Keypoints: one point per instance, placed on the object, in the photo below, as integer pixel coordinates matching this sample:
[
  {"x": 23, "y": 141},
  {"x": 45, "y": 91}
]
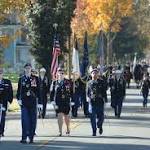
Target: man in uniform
[
  {"x": 96, "y": 99},
  {"x": 6, "y": 95},
  {"x": 118, "y": 91},
  {"x": 44, "y": 90},
  {"x": 28, "y": 97},
  {"x": 145, "y": 89}
]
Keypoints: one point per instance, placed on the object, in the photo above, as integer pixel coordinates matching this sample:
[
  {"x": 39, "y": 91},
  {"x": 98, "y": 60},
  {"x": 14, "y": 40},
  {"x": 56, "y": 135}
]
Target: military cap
[
  {"x": 27, "y": 65},
  {"x": 118, "y": 72},
  {"x": 42, "y": 70},
  {"x": 94, "y": 70}
]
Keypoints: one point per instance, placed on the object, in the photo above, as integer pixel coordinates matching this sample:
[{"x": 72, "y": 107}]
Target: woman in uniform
[{"x": 61, "y": 92}]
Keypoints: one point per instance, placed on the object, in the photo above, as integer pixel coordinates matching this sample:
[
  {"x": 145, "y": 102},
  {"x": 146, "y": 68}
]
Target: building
[{"x": 17, "y": 52}]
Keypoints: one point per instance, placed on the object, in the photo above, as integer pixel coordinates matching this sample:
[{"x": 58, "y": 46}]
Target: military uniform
[
  {"x": 96, "y": 96},
  {"x": 76, "y": 97},
  {"x": 83, "y": 94},
  {"x": 6, "y": 95},
  {"x": 28, "y": 93},
  {"x": 118, "y": 92},
  {"x": 61, "y": 92},
  {"x": 145, "y": 91},
  {"x": 127, "y": 75},
  {"x": 44, "y": 90}
]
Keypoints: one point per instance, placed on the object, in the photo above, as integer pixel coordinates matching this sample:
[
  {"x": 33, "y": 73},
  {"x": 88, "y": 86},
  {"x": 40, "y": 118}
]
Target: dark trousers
[
  {"x": 118, "y": 106},
  {"x": 2, "y": 124},
  {"x": 85, "y": 103},
  {"x": 97, "y": 117},
  {"x": 44, "y": 108},
  {"x": 145, "y": 95},
  {"x": 75, "y": 107},
  {"x": 29, "y": 119}
]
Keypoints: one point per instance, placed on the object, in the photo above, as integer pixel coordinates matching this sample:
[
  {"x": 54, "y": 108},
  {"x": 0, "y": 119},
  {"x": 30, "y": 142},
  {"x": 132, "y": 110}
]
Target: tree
[
  {"x": 103, "y": 15},
  {"x": 41, "y": 16},
  {"x": 142, "y": 18},
  {"x": 129, "y": 40},
  {"x": 8, "y": 7}
]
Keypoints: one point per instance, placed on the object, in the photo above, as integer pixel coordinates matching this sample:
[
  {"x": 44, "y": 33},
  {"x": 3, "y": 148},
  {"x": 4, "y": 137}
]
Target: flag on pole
[
  {"x": 134, "y": 61},
  {"x": 100, "y": 49},
  {"x": 55, "y": 54},
  {"x": 75, "y": 59},
  {"x": 85, "y": 59}
]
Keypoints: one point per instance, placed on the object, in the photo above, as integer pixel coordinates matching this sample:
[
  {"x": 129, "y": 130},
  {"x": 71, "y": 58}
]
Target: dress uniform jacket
[
  {"x": 96, "y": 92},
  {"x": 28, "y": 91},
  {"x": 6, "y": 95},
  {"x": 6, "y": 92},
  {"x": 62, "y": 93},
  {"x": 44, "y": 90}
]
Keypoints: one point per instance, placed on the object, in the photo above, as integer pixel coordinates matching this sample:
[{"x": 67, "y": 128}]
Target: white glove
[
  {"x": 3, "y": 109},
  {"x": 72, "y": 103},
  {"x": 56, "y": 107},
  {"x": 88, "y": 99},
  {"x": 40, "y": 106},
  {"x": 53, "y": 103},
  {"x": 20, "y": 102},
  {"x": 90, "y": 108}
]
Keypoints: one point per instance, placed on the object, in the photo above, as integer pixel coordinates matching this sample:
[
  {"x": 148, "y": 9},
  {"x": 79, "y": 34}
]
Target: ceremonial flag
[
  {"x": 75, "y": 59},
  {"x": 85, "y": 59},
  {"x": 55, "y": 54},
  {"x": 134, "y": 61},
  {"x": 101, "y": 48}
]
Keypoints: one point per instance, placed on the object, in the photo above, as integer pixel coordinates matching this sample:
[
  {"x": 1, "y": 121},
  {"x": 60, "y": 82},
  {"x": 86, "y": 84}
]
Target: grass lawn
[
  {"x": 14, "y": 106},
  {"x": 12, "y": 76}
]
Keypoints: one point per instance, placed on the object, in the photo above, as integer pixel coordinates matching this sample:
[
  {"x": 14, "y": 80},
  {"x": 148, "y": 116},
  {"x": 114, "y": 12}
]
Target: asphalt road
[{"x": 130, "y": 132}]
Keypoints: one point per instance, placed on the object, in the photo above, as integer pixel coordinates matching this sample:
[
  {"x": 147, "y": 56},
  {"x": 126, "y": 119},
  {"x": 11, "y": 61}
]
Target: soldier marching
[
  {"x": 61, "y": 94},
  {"x": 67, "y": 96},
  {"x": 96, "y": 98},
  {"x": 6, "y": 96},
  {"x": 44, "y": 91},
  {"x": 28, "y": 96}
]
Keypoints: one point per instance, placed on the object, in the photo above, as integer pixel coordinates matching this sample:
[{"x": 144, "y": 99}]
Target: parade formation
[
  {"x": 67, "y": 96},
  {"x": 74, "y": 74}
]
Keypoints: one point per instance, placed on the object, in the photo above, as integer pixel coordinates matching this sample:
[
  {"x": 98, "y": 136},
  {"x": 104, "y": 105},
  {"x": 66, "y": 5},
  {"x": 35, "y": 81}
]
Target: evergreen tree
[
  {"x": 129, "y": 40},
  {"x": 41, "y": 17}
]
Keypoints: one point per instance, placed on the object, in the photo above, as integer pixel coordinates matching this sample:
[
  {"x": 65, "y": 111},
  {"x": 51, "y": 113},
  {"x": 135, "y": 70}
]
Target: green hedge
[{"x": 12, "y": 76}]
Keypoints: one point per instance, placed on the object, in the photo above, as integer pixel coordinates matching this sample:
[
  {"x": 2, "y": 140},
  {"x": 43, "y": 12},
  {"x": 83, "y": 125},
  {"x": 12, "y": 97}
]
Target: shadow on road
[{"x": 72, "y": 145}]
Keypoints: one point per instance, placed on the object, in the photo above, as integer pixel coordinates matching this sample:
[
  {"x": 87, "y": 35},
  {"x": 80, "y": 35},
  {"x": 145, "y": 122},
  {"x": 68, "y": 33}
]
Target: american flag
[{"x": 55, "y": 54}]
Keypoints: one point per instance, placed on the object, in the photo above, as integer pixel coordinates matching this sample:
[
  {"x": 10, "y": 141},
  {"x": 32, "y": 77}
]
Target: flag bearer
[{"x": 96, "y": 98}]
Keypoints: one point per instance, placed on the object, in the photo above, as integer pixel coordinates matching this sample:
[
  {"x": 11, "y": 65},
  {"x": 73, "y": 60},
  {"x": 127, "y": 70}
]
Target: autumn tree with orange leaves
[
  {"x": 8, "y": 8},
  {"x": 106, "y": 15}
]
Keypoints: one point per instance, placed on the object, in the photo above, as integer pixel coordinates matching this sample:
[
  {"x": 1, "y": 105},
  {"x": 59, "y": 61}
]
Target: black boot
[{"x": 100, "y": 130}]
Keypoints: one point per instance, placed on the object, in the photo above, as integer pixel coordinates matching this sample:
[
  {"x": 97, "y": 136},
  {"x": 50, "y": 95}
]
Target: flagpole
[
  {"x": 100, "y": 47},
  {"x": 55, "y": 25}
]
